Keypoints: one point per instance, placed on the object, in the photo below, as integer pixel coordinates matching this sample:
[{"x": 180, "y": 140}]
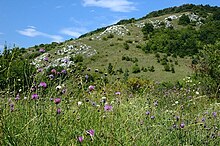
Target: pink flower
[
  {"x": 46, "y": 59},
  {"x": 108, "y": 108},
  {"x": 91, "y": 132},
  {"x": 57, "y": 100},
  {"x": 91, "y": 87},
  {"x": 34, "y": 96},
  {"x": 80, "y": 139},
  {"x": 43, "y": 84},
  {"x": 58, "y": 111},
  {"x": 53, "y": 71}
]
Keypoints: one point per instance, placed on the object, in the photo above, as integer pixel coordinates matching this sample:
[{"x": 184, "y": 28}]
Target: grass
[{"x": 147, "y": 115}]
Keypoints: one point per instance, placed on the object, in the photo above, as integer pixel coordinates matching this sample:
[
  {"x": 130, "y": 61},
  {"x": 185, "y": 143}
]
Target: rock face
[
  {"x": 62, "y": 57},
  {"x": 119, "y": 30}
]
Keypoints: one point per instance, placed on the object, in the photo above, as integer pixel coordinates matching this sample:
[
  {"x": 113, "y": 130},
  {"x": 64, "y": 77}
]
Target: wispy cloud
[
  {"x": 31, "y": 31},
  {"x": 73, "y": 32},
  {"x": 113, "y": 5},
  {"x": 59, "y": 7}
]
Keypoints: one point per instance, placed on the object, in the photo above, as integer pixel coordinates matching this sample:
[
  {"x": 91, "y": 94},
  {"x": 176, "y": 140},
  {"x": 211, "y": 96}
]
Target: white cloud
[
  {"x": 113, "y": 5},
  {"x": 59, "y": 7},
  {"x": 32, "y": 32},
  {"x": 74, "y": 32}
]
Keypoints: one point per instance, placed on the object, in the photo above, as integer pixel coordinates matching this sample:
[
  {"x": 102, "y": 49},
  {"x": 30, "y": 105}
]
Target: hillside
[{"x": 147, "y": 81}]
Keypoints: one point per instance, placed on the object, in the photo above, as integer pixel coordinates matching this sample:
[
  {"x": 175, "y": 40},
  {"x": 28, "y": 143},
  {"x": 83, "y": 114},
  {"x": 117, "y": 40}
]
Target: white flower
[
  {"x": 79, "y": 103},
  {"x": 197, "y": 93},
  {"x": 58, "y": 87}
]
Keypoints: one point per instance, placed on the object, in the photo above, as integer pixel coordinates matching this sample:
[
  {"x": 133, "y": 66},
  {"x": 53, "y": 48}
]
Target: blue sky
[{"x": 25, "y": 23}]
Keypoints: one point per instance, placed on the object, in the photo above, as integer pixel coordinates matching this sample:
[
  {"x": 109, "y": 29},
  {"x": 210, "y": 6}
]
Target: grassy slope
[{"x": 112, "y": 50}]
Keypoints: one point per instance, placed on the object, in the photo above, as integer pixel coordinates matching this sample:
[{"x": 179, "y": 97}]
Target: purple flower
[
  {"x": 86, "y": 76},
  {"x": 53, "y": 71},
  {"x": 152, "y": 117},
  {"x": 182, "y": 125},
  {"x": 11, "y": 107},
  {"x": 108, "y": 108},
  {"x": 17, "y": 97},
  {"x": 91, "y": 132},
  {"x": 118, "y": 93},
  {"x": 214, "y": 114},
  {"x": 91, "y": 87},
  {"x": 57, "y": 100},
  {"x": 147, "y": 113},
  {"x": 58, "y": 111},
  {"x": 41, "y": 50},
  {"x": 80, "y": 139},
  {"x": 46, "y": 59},
  {"x": 34, "y": 96},
  {"x": 63, "y": 91},
  {"x": 63, "y": 71},
  {"x": 32, "y": 89},
  {"x": 43, "y": 84},
  {"x": 39, "y": 70},
  {"x": 66, "y": 61},
  {"x": 203, "y": 119}
]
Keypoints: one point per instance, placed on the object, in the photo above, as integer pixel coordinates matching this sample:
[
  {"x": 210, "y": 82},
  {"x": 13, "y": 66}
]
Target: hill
[{"x": 150, "y": 81}]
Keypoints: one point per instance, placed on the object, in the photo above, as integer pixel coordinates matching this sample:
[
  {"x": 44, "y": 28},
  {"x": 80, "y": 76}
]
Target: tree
[
  {"x": 148, "y": 28},
  {"x": 184, "y": 20},
  {"x": 210, "y": 67}
]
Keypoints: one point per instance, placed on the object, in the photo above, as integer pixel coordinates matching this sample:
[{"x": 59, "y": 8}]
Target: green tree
[
  {"x": 184, "y": 20},
  {"x": 148, "y": 28},
  {"x": 210, "y": 67}
]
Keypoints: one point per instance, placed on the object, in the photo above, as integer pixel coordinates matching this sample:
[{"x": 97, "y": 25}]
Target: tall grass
[{"x": 149, "y": 115}]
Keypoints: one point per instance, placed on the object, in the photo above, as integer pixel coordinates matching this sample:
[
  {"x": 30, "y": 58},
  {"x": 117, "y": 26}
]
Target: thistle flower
[
  {"x": 57, "y": 100},
  {"x": 43, "y": 84},
  {"x": 34, "y": 96},
  {"x": 17, "y": 97},
  {"x": 107, "y": 107},
  {"x": 80, "y": 139},
  {"x": 64, "y": 71},
  {"x": 182, "y": 125},
  {"x": 91, "y": 132},
  {"x": 46, "y": 59},
  {"x": 91, "y": 87},
  {"x": 58, "y": 111},
  {"x": 39, "y": 70},
  {"x": 53, "y": 71},
  {"x": 214, "y": 114},
  {"x": 147, "y": 113},
  {"x": 11, "y": 107}
]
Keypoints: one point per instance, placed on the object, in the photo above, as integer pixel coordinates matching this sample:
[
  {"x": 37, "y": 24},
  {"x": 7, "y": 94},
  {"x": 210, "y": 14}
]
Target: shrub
[
  {"x": 126, "y": 46},
  {"x": 110, "y": 35},
  {"x": 136, "y": 69},
  {"x": 167, "y": 67}
]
